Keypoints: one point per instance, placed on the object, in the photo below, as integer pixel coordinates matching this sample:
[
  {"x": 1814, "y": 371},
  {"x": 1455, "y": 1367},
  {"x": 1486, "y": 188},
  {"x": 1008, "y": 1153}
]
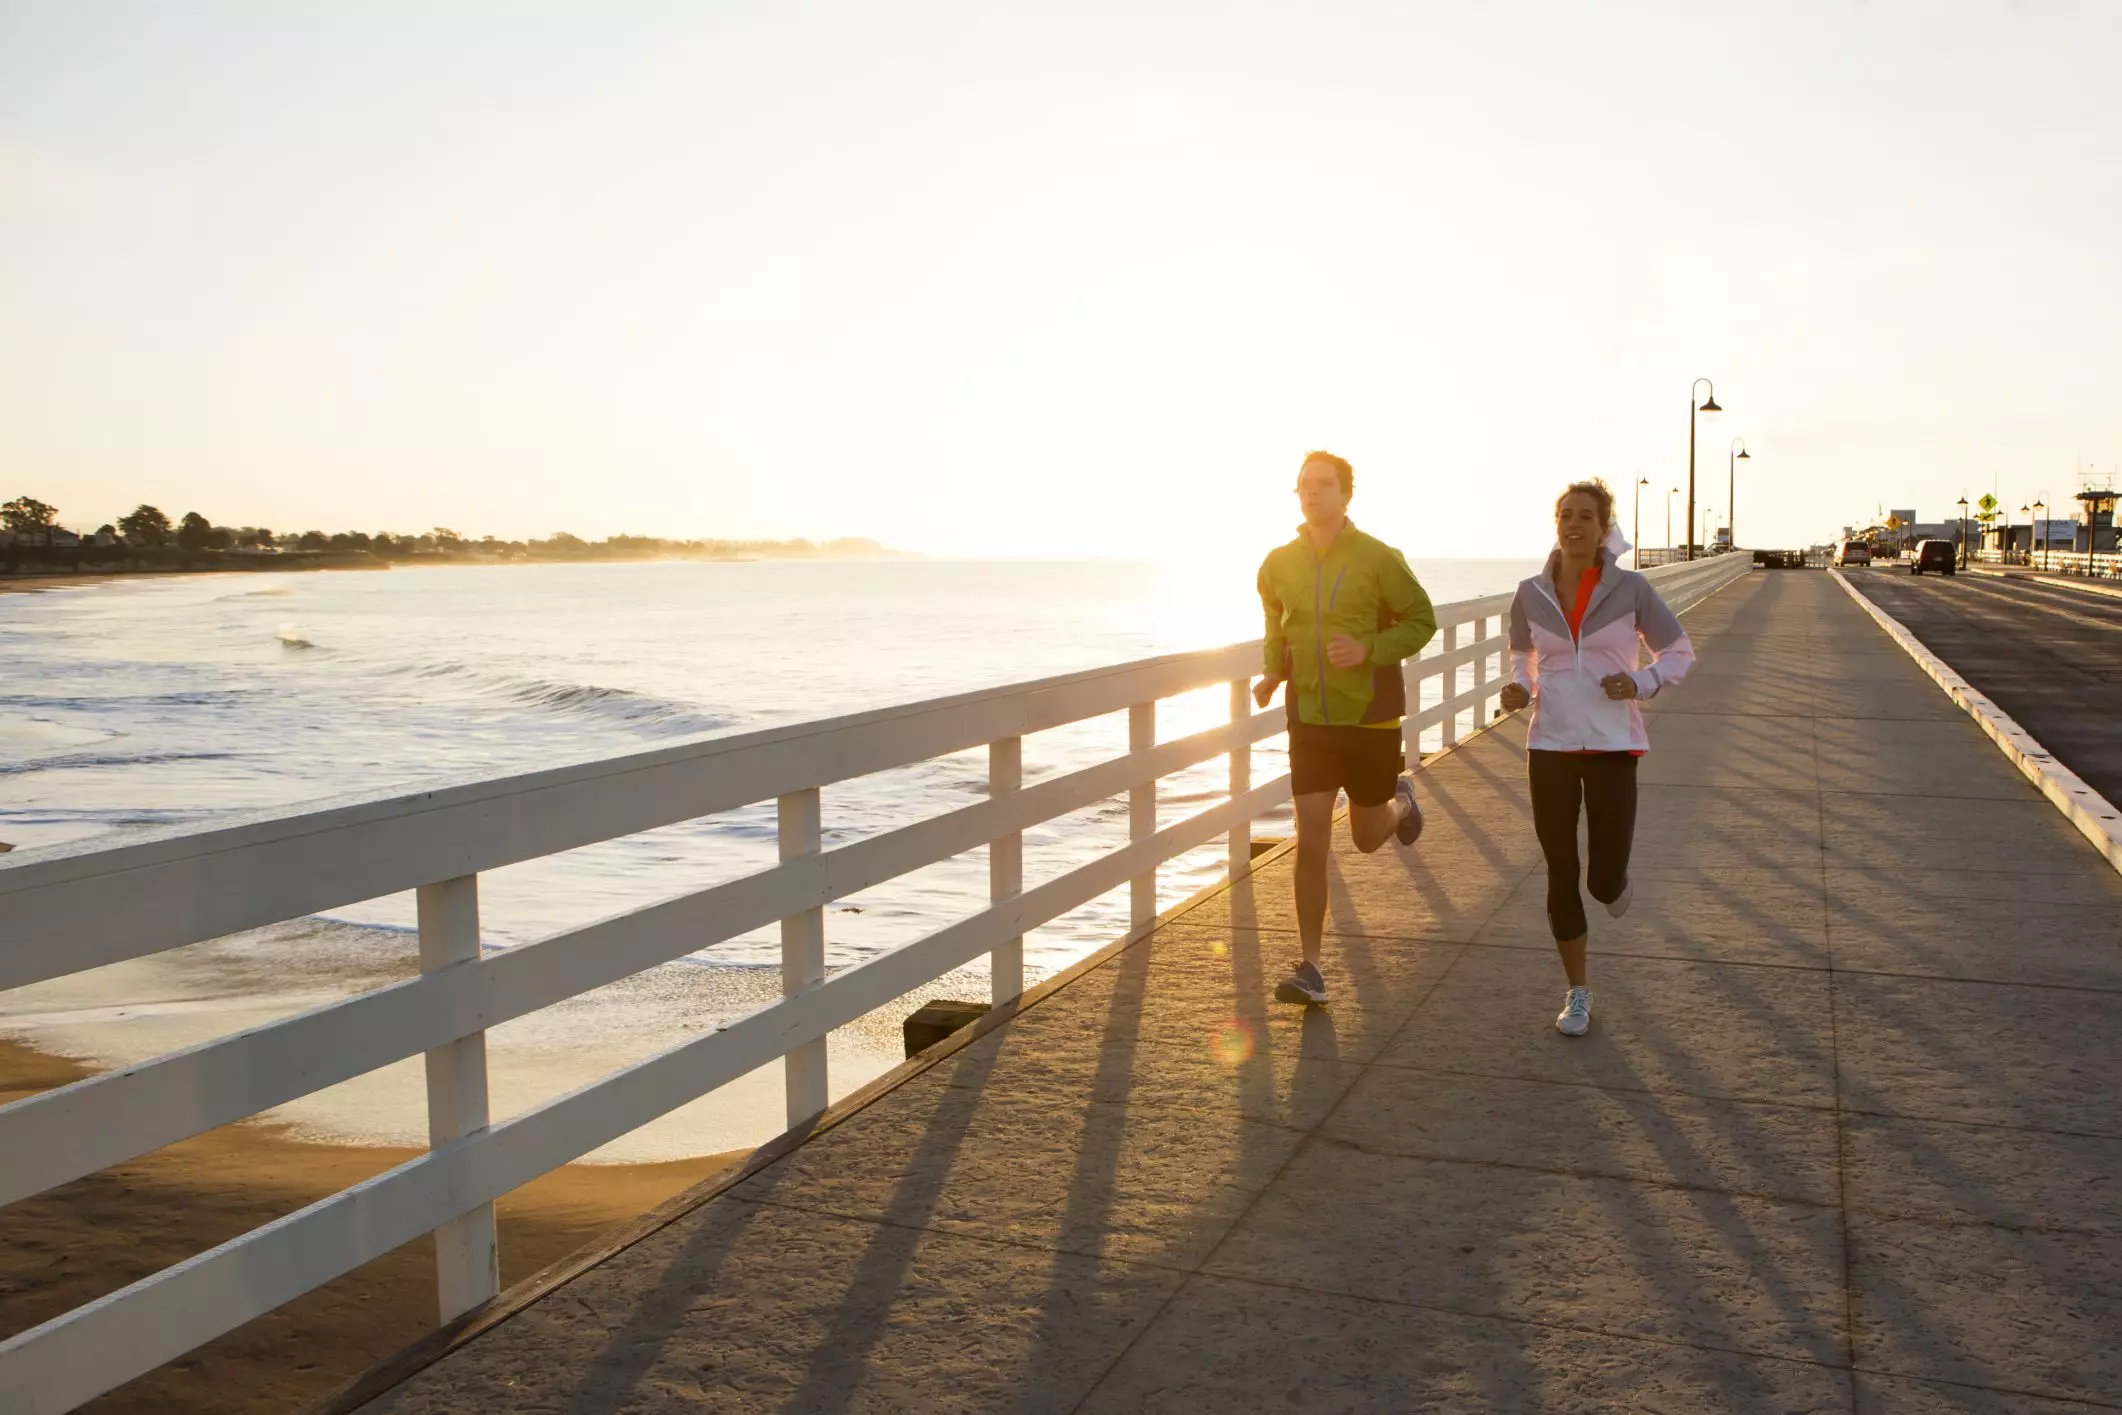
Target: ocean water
[{"x": 154, "y": 704}]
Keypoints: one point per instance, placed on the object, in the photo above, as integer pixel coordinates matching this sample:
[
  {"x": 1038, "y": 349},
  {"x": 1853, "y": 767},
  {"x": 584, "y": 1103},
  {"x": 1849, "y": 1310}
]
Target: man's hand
[
  {"x": 1345, "y": 652},
  {"x": 1264, "y": 690},
  {"x": 1619, "y": 686},
  {"x": 1515, "y": 696}
]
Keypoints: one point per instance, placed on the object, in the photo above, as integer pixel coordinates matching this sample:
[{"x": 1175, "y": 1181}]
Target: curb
[
  {"x": 2060, "y": 582},
  {"x": 2094, "y": 816}
]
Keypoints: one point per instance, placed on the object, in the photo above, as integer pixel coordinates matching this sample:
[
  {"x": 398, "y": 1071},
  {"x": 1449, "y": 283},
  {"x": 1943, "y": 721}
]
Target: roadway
[{"x": 2050, "y": 656}]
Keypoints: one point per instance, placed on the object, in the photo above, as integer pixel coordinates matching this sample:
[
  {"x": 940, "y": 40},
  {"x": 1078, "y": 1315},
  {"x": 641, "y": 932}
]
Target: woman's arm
[
  {"x": 1672, "y": 654},
  {"x": 1524, "y": 662}
]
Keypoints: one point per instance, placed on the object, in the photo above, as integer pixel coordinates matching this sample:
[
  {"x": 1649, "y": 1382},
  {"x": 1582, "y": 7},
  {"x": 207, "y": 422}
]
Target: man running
[{"x": 1343, "y": 610}]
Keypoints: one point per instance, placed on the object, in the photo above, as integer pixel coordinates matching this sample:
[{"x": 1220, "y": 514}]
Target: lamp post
[
  {"x": 1641, "y": 482},
  {"x": 1962, "y": 504},
  {"x": 2028, "y": 512},
  {"x": 2041, "y": 531},
  {"x": 1709, "y": 405},
  {"x": 1669, "y": 524},
  {"x": 1731, "y": 488}
]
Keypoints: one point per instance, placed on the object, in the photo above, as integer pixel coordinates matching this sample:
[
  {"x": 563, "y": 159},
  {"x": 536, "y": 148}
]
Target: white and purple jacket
[{"x": 1562, "y": 671}]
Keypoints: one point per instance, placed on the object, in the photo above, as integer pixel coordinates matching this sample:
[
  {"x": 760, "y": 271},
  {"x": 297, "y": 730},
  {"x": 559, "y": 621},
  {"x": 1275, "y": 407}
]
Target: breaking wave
[
  {"x": 640, "y": 711},
  {"x": 75, "y": 761}
]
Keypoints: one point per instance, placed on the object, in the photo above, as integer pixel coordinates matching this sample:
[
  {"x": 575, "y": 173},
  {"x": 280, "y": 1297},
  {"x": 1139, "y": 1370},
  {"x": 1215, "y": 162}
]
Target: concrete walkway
[{"x": 1845, "y": 1135}]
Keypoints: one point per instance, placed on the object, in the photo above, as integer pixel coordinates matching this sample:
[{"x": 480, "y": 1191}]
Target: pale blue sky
[{"x": 1051, "y": 279}]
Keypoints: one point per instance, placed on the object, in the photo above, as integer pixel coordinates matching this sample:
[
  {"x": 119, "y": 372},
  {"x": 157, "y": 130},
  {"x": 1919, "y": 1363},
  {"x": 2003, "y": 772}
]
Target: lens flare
[{"x": 1233, "y": 1045}]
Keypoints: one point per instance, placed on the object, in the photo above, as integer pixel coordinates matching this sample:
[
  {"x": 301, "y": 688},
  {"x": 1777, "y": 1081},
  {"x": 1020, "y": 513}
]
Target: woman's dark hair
[{"x": 1598, "y": 491}]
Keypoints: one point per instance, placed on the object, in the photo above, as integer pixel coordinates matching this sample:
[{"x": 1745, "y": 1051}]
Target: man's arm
[
  {"x": 1415, "y": 618},
  {"x": 1274, "y": 644}
]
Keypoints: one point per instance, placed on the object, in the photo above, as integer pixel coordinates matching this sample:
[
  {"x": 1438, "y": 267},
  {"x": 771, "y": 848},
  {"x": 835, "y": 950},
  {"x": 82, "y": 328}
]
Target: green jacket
[{"x": 1360, "y": 587}]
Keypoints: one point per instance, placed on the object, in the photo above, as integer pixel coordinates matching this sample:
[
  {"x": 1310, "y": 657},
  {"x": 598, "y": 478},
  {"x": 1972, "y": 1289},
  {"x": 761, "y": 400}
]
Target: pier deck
[{"x": 1844, "y": 1134}]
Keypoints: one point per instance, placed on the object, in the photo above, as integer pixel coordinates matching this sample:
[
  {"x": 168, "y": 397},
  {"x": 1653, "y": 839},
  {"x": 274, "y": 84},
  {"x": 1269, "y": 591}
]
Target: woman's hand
[
  {"x": 1345, "y": 652},
  {"x": 1619, "y": 686},
  {"x": 1264, "y": 690},
  {"x": 1515, "y": 696}
]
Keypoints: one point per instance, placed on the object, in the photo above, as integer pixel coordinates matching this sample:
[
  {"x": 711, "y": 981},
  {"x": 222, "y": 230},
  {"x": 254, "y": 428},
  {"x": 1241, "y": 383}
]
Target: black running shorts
[{"x": 1363, "y": 761}]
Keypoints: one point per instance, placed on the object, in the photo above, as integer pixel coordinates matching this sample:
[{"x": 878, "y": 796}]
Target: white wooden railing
[{"x": 66, "y": 910}]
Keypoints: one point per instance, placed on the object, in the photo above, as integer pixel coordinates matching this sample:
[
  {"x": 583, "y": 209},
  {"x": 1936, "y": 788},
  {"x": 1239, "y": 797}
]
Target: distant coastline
[{"x": 29, "y": 566}]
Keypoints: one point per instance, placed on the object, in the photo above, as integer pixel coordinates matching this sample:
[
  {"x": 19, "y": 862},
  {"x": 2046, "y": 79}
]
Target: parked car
[
  {"x": 1936, "y": 555},
  {"x": 1853, "y": 552}
]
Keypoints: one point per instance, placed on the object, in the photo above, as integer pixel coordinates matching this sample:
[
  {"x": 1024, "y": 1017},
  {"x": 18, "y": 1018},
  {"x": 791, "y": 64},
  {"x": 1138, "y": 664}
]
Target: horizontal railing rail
[{"x": 66, "y": 910}]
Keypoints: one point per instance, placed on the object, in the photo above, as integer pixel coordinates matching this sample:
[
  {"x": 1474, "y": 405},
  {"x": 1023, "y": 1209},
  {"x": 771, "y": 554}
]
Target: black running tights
[{"x": 1604, "y": 784}]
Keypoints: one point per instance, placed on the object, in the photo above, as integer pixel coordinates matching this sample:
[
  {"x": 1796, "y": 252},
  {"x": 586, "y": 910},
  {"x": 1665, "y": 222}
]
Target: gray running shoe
[
  {"x": 1628, "y": 897},
  {"x": 1304, "y": 985},
  {"x": 1575, "y": 1019},
  {"x": 1410, "y": 828}
]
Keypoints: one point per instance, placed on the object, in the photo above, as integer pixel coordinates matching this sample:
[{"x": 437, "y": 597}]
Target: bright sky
[{"x": 1080, "y": 278}]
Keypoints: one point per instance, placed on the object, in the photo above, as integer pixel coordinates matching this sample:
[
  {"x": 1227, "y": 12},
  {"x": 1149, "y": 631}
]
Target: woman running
[{"x": 1575, "y": 635}]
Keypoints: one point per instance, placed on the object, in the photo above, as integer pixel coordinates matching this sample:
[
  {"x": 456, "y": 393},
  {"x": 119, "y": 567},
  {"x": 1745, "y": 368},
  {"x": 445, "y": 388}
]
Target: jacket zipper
[{"x": 1576, "y": 640}]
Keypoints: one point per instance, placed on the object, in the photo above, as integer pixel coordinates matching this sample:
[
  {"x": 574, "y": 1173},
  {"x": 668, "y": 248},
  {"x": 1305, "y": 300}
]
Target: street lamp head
[
  {"x": 1709, "y": 404},
  {"x": 1745, "y": 456}
]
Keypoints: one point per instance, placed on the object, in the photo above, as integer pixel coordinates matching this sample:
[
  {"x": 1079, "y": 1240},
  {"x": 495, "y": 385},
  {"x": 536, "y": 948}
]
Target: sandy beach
[
  {"x": 93, "y": 1236},
  {"x": 30, "y": 584}
]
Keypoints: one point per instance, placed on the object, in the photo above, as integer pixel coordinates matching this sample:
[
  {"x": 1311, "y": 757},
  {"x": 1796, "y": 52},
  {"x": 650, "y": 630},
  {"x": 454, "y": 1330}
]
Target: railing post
[
  {"x": 1005, "y": 870},
  {"x": 467, "y": 1258},
  {"x": 1451, "y": 686},
  {"x": 802, "y": 957},
  {"x": 1241, "y": 776},
  {"x": 1142, "y": 815},
  {"x": 1481, "y": 673},
  {"x": 1410, "y": 735}
]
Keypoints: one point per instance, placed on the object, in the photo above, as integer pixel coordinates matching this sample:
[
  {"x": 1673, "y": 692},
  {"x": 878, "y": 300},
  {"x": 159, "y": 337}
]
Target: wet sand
[
  {"x": 80, "y": 1241},
  {"x": 30, "y": 584}
]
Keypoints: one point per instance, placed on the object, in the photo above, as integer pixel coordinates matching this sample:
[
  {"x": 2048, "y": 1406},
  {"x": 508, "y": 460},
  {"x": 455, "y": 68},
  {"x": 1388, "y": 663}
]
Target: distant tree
[
  {"x": 195, "y": 532},
  {"x": 312, "y": 540},
  {"x": 27, "y": 516},
  {"x": 383, "y": 544},
  {"x": 342, "y": 541},
  {"x": 358, "y": 540},
  {"x": 145, "y": 525},
  {"x": 106, "y": 531}
]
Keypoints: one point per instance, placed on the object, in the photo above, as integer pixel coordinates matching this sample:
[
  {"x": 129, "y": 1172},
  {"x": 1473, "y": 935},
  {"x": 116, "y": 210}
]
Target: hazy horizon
[{"x": 1014, "y": 281}]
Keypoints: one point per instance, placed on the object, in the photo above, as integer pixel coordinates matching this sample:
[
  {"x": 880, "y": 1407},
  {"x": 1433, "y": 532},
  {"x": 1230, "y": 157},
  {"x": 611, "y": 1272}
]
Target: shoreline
[
  {"x": 93, "y": 1236},
  {"x": 37, "y": 584}
]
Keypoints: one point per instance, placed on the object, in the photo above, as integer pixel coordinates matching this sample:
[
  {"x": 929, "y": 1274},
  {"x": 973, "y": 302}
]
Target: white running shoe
[
  {"x": 1575, "y": 1019},
  {"x": 1628, "y": 897}
]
